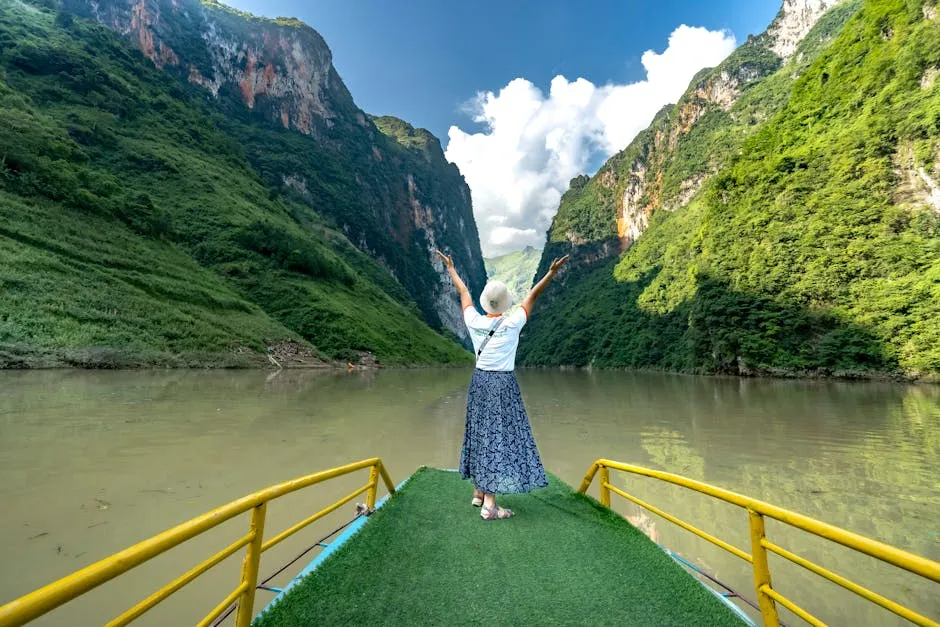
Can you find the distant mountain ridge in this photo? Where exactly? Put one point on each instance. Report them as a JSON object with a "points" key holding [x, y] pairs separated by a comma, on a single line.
{"points": [[766, 222], [515, 269], [225, 148]]}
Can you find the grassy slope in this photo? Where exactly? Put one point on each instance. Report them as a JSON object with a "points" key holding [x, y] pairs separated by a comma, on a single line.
{"points": [[797, 256], [516, 270], [417, 139], [96, 295], [419, 562], [158, 236]]}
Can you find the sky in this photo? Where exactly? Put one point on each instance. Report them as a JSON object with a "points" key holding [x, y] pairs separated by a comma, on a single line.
{"points": [[523, 94]]}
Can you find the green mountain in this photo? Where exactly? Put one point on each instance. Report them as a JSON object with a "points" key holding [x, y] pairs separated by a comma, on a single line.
{"points": [[782, 218], [184, 184], [515, 269]]}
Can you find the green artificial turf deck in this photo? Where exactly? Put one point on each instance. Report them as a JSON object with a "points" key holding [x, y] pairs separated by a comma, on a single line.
{"points": [[426, 558]]}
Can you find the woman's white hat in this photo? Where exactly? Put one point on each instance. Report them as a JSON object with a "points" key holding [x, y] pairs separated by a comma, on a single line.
{"points": [[495, 298]]}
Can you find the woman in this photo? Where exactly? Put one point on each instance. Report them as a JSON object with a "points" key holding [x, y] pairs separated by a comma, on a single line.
{"points": [[498, 453]]}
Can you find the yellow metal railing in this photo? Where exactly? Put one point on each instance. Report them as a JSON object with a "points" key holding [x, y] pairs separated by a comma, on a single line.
{"points": [[767, 596], [48, 598]]}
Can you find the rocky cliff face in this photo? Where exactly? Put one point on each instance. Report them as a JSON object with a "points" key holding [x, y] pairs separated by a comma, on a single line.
{"points": [[393, 200], [811, 244], [794, 21], [668, 163], [439, 199], [217, 48]]}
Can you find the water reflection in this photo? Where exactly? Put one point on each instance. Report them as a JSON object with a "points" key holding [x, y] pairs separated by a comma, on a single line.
{"points": [[94, 461]]}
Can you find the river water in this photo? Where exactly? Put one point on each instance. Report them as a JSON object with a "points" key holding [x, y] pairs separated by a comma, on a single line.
{"points": [[92, 462]]}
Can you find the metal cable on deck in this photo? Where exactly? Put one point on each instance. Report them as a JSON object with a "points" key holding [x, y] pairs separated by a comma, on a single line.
{"points": [[701, 572], [262, 584]]}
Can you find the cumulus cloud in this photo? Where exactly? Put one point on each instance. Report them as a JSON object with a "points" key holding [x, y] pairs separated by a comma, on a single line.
{"points": [[532, 145]]}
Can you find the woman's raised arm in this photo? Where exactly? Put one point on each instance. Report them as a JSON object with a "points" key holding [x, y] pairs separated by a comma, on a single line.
{"points": [[529, 301], [465, 299]]}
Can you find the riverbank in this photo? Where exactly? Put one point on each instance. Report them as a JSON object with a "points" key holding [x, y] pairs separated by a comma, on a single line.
{"points": [[287, 354], [776, 373], [293, 355]]}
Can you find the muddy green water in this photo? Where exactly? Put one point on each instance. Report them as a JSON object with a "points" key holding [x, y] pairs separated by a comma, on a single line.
{"points": [[91, 462]]}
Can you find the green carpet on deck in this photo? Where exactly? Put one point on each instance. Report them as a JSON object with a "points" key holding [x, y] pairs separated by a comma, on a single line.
{"points": [[426, 558]]}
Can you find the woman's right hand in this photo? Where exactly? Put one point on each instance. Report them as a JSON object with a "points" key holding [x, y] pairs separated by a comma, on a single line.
{"points": [[557, 264], [448, 262]]}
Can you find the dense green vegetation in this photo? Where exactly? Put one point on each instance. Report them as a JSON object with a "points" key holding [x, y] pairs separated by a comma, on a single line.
{"points": [[673, 151], [803, 254], [516, 270], [95, 294], [138, 224], [405, 134]]}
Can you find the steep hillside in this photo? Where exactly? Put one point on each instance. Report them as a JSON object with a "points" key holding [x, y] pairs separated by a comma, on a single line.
{"points": [[337, 163], [439, 199], [791, 228], [686, 144], [153, 212], [516, 270]]}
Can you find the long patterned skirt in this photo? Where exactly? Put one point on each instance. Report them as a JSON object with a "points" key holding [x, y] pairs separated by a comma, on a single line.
{"points": [[499, 452]]}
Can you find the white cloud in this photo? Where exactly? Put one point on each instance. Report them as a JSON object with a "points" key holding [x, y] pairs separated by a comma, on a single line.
{"points": [[533, 145]]}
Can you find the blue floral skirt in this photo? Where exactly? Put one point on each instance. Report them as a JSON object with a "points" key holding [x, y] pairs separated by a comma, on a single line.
{"points": [[499, 452]]}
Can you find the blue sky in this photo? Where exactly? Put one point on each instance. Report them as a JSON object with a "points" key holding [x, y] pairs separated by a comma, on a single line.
{"points": [[420, 59], [523, 94]]}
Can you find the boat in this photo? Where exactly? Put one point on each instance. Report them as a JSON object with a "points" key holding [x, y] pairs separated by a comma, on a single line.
{"points": [[414, 557]]}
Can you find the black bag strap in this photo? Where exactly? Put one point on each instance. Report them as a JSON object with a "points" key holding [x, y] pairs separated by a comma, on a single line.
{"points": [[492, 330]]}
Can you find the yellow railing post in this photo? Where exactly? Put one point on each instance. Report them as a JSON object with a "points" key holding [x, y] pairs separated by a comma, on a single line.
{"points": [[762, 570], [246, 600], [757, 510], [605, 491], [373, 486], [35, 604], [588, 478], [383, 472]]}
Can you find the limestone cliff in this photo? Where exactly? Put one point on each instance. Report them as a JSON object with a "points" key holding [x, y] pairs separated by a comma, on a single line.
{"points": [[794, 21], [223, 50], [668, 163], [389, 200], [440, 202], [782, 218], [156, 209]]}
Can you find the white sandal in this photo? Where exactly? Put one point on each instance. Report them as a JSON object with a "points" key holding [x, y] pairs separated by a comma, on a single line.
{"points": [[496, 513]]}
